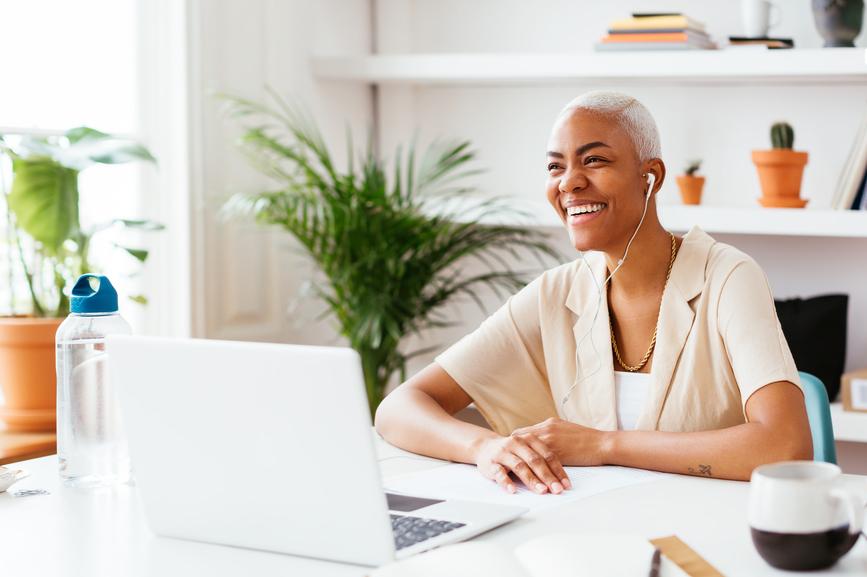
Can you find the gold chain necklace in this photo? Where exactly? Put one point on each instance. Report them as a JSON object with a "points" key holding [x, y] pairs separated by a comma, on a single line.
{"points": [[644, 359]]}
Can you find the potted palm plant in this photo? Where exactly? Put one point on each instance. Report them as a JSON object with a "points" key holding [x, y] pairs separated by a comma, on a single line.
{"points": [[51, 248], [690, 183], [392, 248], [781, 169]]}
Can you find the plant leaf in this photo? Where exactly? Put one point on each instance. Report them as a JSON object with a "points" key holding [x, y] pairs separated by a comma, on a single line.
{"points": [[139, 253], [44, 199], [140, 299]]}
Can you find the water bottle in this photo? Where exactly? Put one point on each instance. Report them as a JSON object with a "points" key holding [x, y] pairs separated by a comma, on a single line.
{"points": [[91, 444]]}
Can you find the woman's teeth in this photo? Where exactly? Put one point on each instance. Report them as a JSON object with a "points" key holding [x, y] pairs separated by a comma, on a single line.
{"points": [[584, 208]]}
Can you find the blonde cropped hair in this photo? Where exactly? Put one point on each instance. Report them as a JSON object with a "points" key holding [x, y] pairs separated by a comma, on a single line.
{"points": [[631, 114]]}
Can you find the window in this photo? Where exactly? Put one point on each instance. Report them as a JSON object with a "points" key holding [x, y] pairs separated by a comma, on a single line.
{"points": [[70, 64]]}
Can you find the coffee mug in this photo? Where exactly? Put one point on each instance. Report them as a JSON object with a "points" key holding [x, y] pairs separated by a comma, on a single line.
{"points": [[756, 16], [801, 518]]}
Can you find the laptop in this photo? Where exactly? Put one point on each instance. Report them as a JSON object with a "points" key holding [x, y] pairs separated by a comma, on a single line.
{"points": [[270, 446]]}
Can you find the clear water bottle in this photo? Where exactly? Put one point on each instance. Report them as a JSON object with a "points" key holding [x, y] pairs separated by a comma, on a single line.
{"points": [[91, 444]]}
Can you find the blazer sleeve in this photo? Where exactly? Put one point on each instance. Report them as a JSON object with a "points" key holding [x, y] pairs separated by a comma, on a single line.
{"points": [[756, 348], [501, 367]]}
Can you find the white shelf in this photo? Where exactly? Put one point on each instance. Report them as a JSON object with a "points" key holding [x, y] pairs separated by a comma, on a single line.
{"points": [[726, 66], [717, 220], [767, 221], [848, 426]]}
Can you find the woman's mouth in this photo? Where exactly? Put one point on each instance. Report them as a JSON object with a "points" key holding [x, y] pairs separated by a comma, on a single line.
{"points": [[582, 213]]}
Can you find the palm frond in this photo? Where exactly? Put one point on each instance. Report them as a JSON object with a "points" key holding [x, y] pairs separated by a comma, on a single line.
{"points": [[391, 249]]}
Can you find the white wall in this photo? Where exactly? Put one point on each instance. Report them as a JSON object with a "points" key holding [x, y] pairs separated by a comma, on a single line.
{"points": [[248, 278], [245, 277], [721, 124]]}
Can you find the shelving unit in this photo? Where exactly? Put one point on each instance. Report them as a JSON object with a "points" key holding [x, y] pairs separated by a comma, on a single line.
{"points": [[715, 220], [848, 426], [728, 66]]}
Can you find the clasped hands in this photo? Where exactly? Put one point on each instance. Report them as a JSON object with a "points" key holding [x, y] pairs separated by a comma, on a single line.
{"points": [[536, 455]]}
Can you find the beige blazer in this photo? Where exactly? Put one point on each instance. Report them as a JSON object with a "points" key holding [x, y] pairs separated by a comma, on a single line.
{"points": [[542, 354]]}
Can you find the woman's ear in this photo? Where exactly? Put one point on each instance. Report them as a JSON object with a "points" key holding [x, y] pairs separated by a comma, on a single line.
{"points": [[654, 174]]}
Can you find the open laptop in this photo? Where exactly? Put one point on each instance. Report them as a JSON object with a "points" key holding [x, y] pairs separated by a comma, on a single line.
{"points": [[270, 447]]}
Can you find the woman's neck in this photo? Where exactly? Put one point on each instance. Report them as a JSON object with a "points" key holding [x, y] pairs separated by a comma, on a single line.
{"points": [[645, 268]]}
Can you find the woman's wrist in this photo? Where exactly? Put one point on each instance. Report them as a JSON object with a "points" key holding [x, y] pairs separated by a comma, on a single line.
{"points": [[476, 443], [608, 442]]}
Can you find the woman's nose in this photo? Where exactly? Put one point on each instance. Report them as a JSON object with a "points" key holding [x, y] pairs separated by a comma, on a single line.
{"points": [[572, 180]]}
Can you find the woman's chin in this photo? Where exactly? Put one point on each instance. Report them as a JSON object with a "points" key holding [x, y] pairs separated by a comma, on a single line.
{"points": [[581, 240]]}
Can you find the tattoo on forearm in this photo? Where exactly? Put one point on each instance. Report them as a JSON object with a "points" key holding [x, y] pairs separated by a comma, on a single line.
{"points": [[702, 471]]}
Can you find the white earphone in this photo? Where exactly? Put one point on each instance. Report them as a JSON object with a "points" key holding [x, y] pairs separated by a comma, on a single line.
{"points": [[651, 179]]}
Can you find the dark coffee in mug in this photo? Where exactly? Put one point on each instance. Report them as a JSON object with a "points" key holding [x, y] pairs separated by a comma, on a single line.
{"points": [[801, 518]]}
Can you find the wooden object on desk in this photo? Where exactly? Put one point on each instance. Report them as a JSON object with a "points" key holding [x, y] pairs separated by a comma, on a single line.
{"points": [[685, 557], [16, 447], [856, 378]]}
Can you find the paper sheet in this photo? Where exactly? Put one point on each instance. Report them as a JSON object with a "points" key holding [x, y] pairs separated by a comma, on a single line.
{"points": [[464, 482]]}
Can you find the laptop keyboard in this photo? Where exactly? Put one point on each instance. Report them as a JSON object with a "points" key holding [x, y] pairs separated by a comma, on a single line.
{"points": [[411, 530]]}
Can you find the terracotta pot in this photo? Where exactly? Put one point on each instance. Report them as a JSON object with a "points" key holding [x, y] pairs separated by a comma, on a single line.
{"points": [[780, 173], [690, 188], [27, 373]]}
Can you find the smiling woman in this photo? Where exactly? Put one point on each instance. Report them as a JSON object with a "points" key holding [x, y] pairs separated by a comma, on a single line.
{"points": [[648, 351]]}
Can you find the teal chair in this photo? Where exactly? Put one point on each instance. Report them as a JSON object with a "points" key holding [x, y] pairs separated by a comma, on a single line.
{"points": [[819, 415]]}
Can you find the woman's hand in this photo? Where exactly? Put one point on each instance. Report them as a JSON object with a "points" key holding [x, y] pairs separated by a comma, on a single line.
{"points": [[530, 459], [573, 444]]}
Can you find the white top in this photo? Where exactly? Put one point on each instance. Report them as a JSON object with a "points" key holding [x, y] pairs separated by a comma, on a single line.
{"points": [[630, 390]]}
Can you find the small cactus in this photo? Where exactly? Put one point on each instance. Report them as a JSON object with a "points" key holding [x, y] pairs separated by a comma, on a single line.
{"points": [[782, 135], [692, 167]]}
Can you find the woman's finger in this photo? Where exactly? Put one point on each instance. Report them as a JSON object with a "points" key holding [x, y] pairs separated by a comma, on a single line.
{"points": [[551, 458], [539, 465], [500, 476], [524, 472]]}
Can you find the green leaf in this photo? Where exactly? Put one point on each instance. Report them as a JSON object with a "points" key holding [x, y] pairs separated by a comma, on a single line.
{"points": [[80, 133], [140, 299], [139, 253], [44, 199], [149, 225]]}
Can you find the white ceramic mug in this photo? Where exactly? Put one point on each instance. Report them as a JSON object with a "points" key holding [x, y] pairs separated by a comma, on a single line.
{"points": [[756, 16], [801, 517]]}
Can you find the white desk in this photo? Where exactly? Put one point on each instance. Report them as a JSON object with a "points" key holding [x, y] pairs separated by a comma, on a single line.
{"points": [[76, 533]]}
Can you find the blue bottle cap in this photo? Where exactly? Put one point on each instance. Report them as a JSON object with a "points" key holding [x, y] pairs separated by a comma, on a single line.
{"points": [[93, 294]]}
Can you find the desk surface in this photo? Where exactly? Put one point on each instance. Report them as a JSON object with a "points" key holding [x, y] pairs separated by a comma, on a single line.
{"points": [[103, 533]]}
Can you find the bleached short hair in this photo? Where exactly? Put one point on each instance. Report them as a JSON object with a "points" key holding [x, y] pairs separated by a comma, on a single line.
{"points": [[632, 115]]}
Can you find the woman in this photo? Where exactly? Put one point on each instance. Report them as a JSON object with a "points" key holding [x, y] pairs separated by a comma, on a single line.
{"points": [[676, 364]]}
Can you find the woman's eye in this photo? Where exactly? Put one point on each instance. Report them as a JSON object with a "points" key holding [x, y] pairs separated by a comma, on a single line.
{"points": [[594, 159], [553, 166]]}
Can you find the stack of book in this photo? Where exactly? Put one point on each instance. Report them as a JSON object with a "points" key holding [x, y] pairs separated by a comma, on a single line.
{"points": [[851, 192], [658, 31], [760, 42]]}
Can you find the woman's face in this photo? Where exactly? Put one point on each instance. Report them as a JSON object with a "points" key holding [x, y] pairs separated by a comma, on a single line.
{"points": [[595, 180]]}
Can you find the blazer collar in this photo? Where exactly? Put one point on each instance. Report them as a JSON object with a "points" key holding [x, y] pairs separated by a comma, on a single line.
{"points": [[595, 372]]}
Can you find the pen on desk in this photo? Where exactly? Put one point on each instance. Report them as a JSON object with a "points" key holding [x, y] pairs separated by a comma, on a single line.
{"points": [[654, 563]]}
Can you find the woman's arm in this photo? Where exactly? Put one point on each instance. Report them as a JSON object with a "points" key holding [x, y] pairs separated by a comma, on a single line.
{"points": [[417, 416], [777, 430]]}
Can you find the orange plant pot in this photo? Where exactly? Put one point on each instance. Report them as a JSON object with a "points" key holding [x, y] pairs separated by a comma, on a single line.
{"points": [[27, 373], [690, 188], [780, 174]]}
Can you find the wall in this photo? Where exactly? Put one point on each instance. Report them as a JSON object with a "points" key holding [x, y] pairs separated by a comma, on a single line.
{"points": [[719, 123]]}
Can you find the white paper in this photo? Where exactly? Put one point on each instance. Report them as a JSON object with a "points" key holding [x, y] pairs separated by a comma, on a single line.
{"points": [[464, 482]]}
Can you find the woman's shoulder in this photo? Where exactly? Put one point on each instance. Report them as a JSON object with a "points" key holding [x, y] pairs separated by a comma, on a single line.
{"points": [[559, 279], [723, 259]]}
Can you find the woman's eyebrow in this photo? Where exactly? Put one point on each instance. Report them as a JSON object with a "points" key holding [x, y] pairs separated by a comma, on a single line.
{"points": [[585, 147], [581, 149]]}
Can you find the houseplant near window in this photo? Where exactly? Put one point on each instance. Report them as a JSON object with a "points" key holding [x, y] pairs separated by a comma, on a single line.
{"points": [[781, 169], [690, 183], [48, 243], [390, 253]]}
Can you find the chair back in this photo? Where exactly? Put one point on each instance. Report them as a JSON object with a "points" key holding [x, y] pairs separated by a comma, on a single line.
{"points": [[819, 415]]}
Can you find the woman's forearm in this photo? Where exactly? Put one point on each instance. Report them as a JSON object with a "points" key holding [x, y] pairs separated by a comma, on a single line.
{"points": [[412, 420], [730, 453]]}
